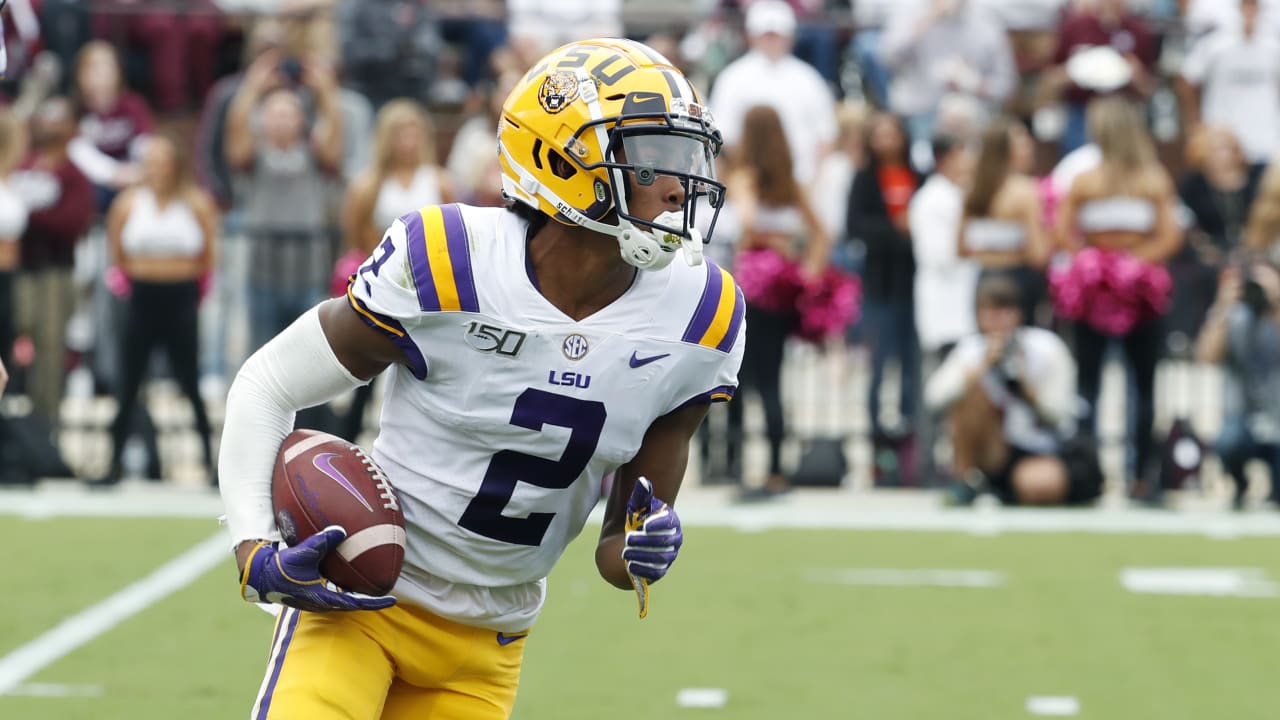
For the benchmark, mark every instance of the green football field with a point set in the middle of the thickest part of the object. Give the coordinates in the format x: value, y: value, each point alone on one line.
x: 789, y: 623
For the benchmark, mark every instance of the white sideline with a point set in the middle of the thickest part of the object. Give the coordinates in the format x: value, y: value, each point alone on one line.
x: 920, y: 511
x: 84, y: 626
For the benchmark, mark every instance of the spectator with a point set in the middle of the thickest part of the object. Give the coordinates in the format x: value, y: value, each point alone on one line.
x: 209, y: 159
x: 473, y: 159
x: 870, y: 18
x: 163, y: 235
x: 480, y: 28
x: 1008, y: 392
x: 182, y: 44
x: 775, y: 219
x: 1262, y: 232
x: 835, y: 176
x: 1105, y: 23
x: 944, y: 280
x: 1003, y: 227
x: 113, y: 122
x: 1242, y: 334
x: 768, y: 74
x: 942, y: 46
x: 1218, y: 190
x: 878, y: 201
x: 1125, y: 208
x: 404, y: 176
x: 285, y: 169
x: 537, y: 26
x: 60, y: 200
x: 13, y: 221
x: 389, y: 48
x: 1232, y: 78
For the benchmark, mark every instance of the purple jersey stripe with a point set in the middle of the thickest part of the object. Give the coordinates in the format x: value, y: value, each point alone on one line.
x: 706, y: 312
x: 279, y: 663
x: 455, y: 233
x: 392, y: 328
x: 416, y: 239
x: 739, y: 309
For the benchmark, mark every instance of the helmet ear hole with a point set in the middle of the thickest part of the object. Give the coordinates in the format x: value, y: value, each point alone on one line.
x: 560, y: 167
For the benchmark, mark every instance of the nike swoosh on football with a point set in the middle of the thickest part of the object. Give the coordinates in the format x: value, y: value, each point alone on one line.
x: 641, y: 362
x: 324, y: 463
x: 504, y: 639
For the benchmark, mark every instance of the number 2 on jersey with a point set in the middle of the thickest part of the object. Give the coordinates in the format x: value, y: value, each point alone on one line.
x: 534, y: 409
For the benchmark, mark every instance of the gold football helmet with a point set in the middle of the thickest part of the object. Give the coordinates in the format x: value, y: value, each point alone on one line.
x: 592, y: 112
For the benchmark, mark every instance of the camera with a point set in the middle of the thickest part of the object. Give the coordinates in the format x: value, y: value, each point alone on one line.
x: 291, y: 69
x: 1255, y: 297
x: 1009, y: 367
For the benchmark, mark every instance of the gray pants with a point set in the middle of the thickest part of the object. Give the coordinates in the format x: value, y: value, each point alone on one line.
x: 45, y: 301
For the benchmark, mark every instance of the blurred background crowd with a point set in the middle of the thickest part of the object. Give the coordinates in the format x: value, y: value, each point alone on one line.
x: 1037, y: 199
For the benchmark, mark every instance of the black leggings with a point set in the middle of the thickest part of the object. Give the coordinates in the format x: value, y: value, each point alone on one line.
x: 762, y: 372
x: 160, y: 314
x: 1142, y: 349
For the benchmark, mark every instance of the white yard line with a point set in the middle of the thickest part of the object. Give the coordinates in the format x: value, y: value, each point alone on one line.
x: 79, y: 629
x: 55, y: 690
x: 1053, y: 706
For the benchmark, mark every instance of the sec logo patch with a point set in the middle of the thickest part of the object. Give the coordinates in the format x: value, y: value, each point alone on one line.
x: 575, y: 347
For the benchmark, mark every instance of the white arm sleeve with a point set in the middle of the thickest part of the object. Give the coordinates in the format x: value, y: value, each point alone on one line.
x: 297, y: 369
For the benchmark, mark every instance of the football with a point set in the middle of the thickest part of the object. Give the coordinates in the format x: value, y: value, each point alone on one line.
x: 321, y: 480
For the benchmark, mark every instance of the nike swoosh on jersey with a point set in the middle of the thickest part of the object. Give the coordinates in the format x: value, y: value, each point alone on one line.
x: 636, y: 361
x: 504, y: 639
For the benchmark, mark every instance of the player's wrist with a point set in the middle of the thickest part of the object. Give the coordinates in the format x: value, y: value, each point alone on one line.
x: 609, y: 561
x: 244, y: 550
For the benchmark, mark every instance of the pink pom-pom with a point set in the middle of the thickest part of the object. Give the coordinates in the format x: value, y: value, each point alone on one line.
x: 343, y: 269
x: 118, y: 284
x: 827, y: 306
x: 768, y: 280
x: 1111, y: 291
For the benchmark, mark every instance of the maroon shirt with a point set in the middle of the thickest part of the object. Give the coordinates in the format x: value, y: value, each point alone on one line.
x: 61, y: 206
x: 1084, y: 30
x: 112, y: 131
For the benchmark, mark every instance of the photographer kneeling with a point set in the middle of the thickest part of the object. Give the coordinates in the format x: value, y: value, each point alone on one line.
x: 1242, y: 333
x: 1009, y: 394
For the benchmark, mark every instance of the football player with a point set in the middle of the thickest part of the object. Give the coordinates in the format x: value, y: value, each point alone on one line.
x: 532, y: 352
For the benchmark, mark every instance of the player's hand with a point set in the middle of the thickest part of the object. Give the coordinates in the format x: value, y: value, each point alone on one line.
x: 292, y: 577
x: 653, y: 534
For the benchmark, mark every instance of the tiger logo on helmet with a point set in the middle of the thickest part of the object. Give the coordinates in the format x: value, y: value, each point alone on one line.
x: 558, y: 89
x: 594, y: 115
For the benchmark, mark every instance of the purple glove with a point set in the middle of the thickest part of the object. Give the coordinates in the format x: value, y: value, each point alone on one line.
x: 292, y: 577
x: 653, y: 534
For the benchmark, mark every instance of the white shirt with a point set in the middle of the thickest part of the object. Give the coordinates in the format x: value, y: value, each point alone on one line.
x: 830, y: 194
x: 1207, y: 16
x: 793, y: 88
x: 13, y: 213
x: 395, y: 199
x: 507, y: 417
x: 1045, y: 365
x: 944, y: 282
x: 969, y: 49
x: 1239, y: 79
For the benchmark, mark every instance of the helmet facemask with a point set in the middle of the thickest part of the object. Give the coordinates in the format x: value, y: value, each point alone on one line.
x: 643, y: 147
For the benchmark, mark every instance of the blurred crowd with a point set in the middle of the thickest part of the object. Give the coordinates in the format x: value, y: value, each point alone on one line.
x: 1019, y: 190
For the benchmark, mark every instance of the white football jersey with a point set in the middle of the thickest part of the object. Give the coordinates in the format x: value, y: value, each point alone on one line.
x: 501, y: 425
